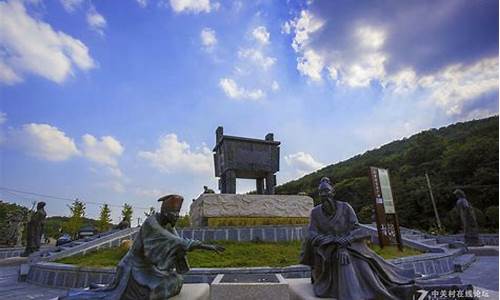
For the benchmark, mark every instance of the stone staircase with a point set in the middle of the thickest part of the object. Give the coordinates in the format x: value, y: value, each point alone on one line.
x: 460, y: 257
x: 108, y: 239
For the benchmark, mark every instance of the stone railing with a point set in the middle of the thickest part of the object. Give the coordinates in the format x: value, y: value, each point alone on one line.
x: 490, y: 239
x: 11, y: 252
x: 83, y: 246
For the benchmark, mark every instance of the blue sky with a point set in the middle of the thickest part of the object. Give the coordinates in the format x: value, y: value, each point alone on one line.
x: 118, y: 101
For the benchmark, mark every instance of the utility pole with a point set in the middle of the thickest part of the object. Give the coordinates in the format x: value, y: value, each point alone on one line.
x: 433, y: 202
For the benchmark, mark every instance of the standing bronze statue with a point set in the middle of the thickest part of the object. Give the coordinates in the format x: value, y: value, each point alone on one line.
x: 153, y: 267
x: 468, y: 218
x: 35, y: 229
x: 342, y: 265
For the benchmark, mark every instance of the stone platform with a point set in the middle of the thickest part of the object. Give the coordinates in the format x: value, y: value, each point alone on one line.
x: 235, y: 205
x: 243, y: 287
x: 301, y: 289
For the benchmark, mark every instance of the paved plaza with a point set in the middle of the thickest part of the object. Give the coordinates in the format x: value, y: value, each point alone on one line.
x: 483, y: 273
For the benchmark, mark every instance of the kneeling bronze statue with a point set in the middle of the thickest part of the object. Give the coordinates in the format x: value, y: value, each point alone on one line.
x: 153, y: 267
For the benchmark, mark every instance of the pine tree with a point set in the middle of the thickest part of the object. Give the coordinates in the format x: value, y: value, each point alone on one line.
x: 127, y: 213
x: 104, y: 221
x: 75, y: 222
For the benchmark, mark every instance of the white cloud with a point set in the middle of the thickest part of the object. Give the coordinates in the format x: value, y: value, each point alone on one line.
x: 309, y: 62
x: 286, y: 28
x: 257, y: 57
x: 71, y: 5
x: 113, y: 185
x: 303, y: 162
x: 192, y: 6
x: 311, y: 65
x: 208, y: 38
x: 175, y: 155
x: 44, y: 141
x: 150, y: 193
x: 364, y: 61
x: 303, y: 26
x: 275, y: 86
x: 456, y: 85
x: 104, y: 151
x: 232, y: 90
x: 3, y: 117
x: 32, y: 46
x: 7, y: 74
x: 142, y: 3
x: 370, y: 37
x: 261, y: 35
x: 401, y: 82
x: 96, y: 21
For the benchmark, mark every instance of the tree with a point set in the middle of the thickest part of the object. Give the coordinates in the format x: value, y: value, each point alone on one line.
x: 127, y: 213
x: 104, y: 221
x: 150, y: 212
x: 72, y: 226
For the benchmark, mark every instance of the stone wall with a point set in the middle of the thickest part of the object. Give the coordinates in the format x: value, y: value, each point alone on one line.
x: 245, y: 234
x: 69, y: 276
x: 11, y: 252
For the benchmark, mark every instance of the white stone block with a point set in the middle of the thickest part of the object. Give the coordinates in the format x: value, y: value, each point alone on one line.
x: 235, y: 205
x: 302, y: 289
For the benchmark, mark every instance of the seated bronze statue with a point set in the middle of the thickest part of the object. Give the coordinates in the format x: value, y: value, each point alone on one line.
x: 153, y: 267
x: 342, y: 265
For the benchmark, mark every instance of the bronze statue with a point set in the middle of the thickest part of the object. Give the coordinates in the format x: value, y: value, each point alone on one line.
x: 342, y: 266
x: 468, y: 217
x: 153, y: 267
x: 124, y: 224
x: 35, y: 229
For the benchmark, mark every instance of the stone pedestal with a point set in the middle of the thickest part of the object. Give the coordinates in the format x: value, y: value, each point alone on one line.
x: 234, y: 205
x: 249, y: 286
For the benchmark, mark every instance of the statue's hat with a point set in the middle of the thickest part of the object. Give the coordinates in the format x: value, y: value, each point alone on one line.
x: 171, y: 202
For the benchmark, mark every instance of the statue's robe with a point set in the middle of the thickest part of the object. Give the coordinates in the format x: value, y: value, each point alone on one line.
x: 367, y: 275
x: 469, y: 222
x: 150, y: 269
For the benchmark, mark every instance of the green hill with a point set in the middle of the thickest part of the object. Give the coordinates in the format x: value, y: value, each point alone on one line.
x: 462, y: 155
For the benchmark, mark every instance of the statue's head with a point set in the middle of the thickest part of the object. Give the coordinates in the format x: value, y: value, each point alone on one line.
x: 459, y: 193
x: 40, y: 205
x: 170, y: 207
x: 326, y: 189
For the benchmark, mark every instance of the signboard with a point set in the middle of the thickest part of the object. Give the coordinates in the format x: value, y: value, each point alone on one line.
x: 385, y: 211
x: 385, y: 187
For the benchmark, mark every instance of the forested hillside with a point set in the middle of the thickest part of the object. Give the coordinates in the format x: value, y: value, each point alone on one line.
x: 462, y: 155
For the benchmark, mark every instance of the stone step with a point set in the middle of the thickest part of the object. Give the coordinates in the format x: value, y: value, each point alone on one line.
x: 429, y: 241
x: 463, y: 261
x: 414, y: 236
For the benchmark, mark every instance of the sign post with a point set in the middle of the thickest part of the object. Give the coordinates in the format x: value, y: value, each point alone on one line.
x: 385, y: 211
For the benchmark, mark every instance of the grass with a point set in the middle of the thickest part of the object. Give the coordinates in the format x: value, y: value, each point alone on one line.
x: 237, y: 254
x: 390, y: 252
